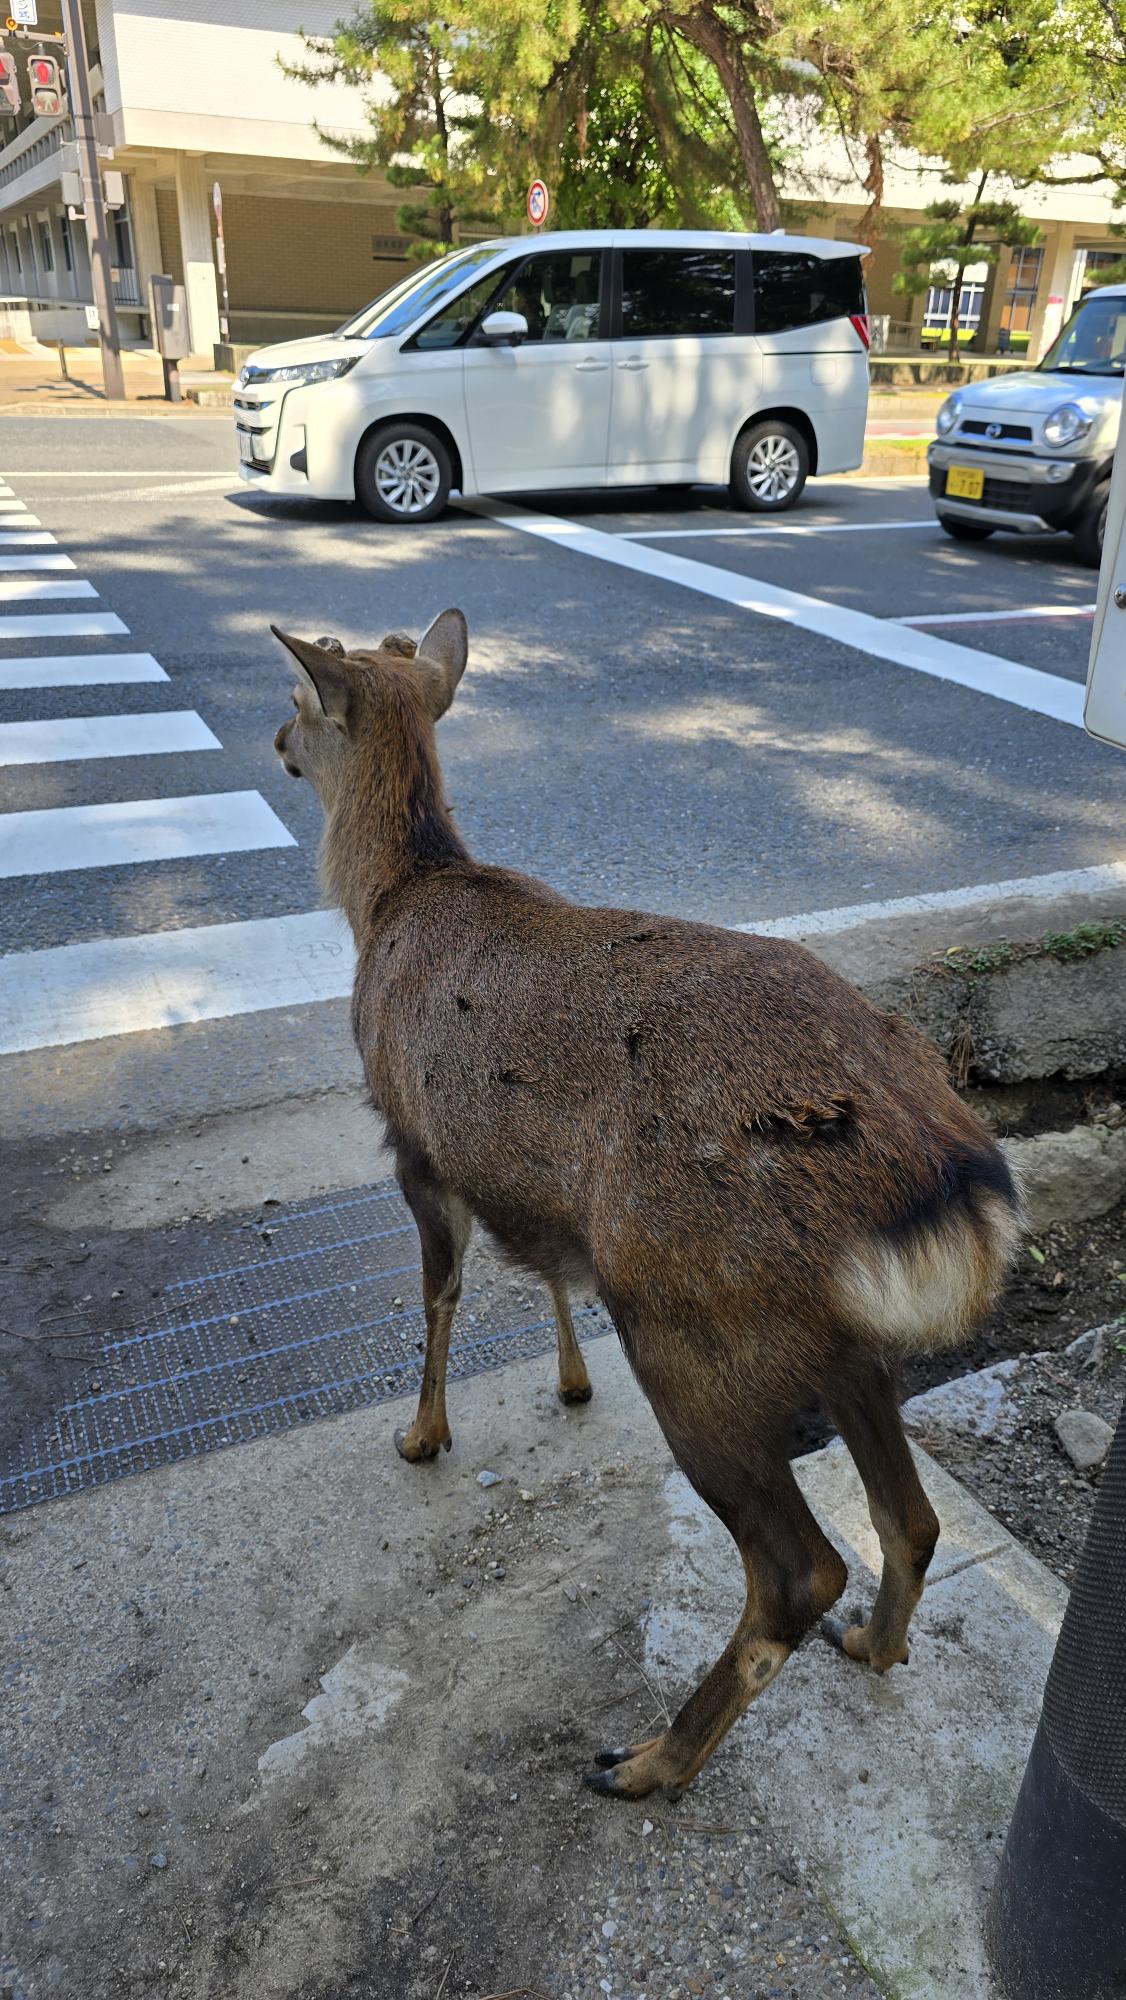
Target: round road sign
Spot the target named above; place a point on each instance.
(538, 203)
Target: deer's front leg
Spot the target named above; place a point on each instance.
(443, 1229)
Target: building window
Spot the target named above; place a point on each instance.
(68, 245)
(15, 242)
(1020, 298)
(46, 247)
(936, 314)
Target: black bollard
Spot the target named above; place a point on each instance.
(1056, 1922)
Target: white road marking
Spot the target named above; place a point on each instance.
(64, 625)
(124, 985)
(25, 538)
(1020, 888)
(1012, 617)
(778, 528)
(10, 592)
(75, 737)
(880, 638)
(49, 670)
(149, 471)
(135, 830)
(30, 561)
(13, 514)
(119, 986)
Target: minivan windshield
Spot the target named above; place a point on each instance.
(414, 296)
(1093, 342)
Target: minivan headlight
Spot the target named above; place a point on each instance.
(302, 372)
(948, 414)
(1065, 425)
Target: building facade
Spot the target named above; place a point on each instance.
(191, 95)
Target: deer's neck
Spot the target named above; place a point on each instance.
(382, 830)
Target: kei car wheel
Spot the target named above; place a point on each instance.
(1088, 534)
(403, 473)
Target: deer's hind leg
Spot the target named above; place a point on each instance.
(574, 1382)
(793, 1575)
(444, 1224)
(865, 1408)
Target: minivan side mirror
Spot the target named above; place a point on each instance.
(504, 329)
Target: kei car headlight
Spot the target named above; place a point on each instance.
(1065, 425)
(303, 372)
(948, 414)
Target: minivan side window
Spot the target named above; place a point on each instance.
(677, 292)
(560, 295)
(793, 289)
(450, 326)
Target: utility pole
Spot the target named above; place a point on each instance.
(97, 230)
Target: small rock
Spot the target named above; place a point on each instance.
(977, 1405)
(1090, 1346)
(526, 1497)
(489, 1478)
(143, 1812)
(158, 1860)
(646, 1827)
(609, 1928)
(1085, 1438)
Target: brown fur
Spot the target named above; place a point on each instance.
(770, 1183)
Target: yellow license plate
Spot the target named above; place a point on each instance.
(965, 482)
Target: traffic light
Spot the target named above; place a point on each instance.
(46, 86)
(9, 86)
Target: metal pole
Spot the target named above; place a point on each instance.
(1056, 1921)
(97, 231)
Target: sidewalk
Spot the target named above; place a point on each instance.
(296, 1717)
(32, 379)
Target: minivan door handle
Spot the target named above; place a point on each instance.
(591, 367)
(634, 364)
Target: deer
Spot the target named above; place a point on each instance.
(770, 1183)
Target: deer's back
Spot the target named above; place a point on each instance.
(642, 1085)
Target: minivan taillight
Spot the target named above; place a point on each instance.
(861, 323)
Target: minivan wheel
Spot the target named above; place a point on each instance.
(963, 531)
(769, 467)
(1088, 535)
(403, 473)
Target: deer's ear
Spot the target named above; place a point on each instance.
(323, 673)
(445, 649)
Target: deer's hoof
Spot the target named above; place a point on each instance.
(417, 1449)
(854, 1643)
(626, 1776)
(582, 1394)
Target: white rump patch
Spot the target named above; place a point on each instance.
(927, 1292)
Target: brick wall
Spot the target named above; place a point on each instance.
(305, 256)
(168, 220)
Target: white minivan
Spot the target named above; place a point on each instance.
(602, 358)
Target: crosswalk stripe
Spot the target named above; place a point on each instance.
(135, 830)
(119, 986)
(74, 737)
(22, 538)
(34, 561)
(51, 670)
(11, 508)
(42, 592)
(63, 625)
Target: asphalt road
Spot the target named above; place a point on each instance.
(636, 735)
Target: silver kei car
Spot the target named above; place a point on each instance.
(1032, 451)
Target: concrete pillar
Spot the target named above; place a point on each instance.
(992, 301)
(193, 206)
(1055, 287)
(146, 237)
